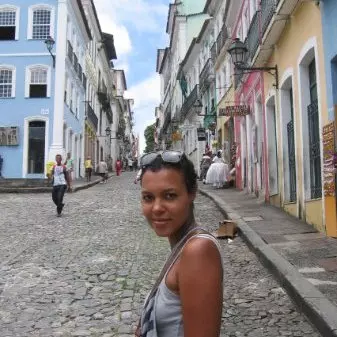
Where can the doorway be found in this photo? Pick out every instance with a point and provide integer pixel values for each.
(36, 147)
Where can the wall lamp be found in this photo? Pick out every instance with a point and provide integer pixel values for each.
(198, 107)
(50, 45)
(108, 134)
(238, 52)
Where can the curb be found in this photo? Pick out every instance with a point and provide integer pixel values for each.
(320, 312)
(47, 189)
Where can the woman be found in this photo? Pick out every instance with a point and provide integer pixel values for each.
(118, 167)
(88, 168)
(218, 171)
(187, 298)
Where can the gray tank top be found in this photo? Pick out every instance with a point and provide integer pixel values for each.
(167, 308)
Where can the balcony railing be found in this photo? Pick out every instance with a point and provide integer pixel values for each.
(207, 75)
(70, 51)
(79, 71)
(92, 116)
(189, 102)
(221, 39)
(268, 8)
(214, 52)
(75, 63)
(84, 81)
(167, 118)
(315, 151)
(253, 39)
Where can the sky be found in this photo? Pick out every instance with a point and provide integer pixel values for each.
(139, 29)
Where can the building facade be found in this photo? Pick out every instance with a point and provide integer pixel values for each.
(50, 98)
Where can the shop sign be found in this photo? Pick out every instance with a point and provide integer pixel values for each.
(9, 136)
(201, 132)
(234, 111)
(329, 168)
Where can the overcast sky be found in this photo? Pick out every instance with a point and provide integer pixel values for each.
(139, 28)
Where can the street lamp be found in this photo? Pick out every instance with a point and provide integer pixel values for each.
(108, 134)
(198, 107)
(50, 45)
(238, 51)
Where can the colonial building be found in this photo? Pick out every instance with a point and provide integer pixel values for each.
(329, 12)
(56, 77)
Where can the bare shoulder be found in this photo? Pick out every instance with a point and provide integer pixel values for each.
(200, 249)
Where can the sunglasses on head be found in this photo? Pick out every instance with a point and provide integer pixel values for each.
(169, 157)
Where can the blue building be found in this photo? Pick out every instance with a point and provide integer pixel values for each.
(329, 14)
(42, 92)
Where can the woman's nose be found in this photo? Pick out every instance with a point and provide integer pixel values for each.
(157, 206)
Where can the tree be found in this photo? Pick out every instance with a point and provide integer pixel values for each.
(149, 138)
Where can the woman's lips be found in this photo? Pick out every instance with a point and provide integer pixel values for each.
(160, 222)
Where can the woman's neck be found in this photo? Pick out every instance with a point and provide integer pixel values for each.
(182, 231)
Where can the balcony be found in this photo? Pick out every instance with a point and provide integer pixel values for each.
(79, 72)
(206, 76)
(75, 63)
(70, 51)
(189, 102)
(221, 39)
(253, 36)
(92, 116)
(167, 118)
(214, 52)
(84, 81)
(268, 9)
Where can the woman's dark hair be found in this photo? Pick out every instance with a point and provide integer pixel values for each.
(219, 154)
(185, 166)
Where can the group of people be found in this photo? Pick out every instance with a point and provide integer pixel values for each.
(214, 170)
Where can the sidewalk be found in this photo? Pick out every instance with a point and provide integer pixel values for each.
(303, 260)
(77, 185)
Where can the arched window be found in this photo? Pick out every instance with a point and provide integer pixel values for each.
(40, 22)
(37, 81)
(7, 81)
(9, 22)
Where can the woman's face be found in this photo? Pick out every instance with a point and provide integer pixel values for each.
(165, 201)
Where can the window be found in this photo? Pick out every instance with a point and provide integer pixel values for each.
(9, 17)
(7, 81)
(37, 81)
(40, 22)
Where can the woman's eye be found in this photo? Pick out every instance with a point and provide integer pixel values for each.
(147, 198)
(170, 196)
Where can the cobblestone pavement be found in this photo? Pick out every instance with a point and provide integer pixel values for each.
(87, 273)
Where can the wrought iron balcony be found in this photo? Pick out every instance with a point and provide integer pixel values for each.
(221, 39)
(268, 9)
(253, 38)
(75, 63)
(315, 151)
(214, 52)
(79, 72)
(70, 51)
(189, 102)
(84, 81)
(167, 118)
(92, 116)
(207, 75)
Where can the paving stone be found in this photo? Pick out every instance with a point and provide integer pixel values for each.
(88, 272)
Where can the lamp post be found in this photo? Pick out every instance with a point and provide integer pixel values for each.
(108, 134)
(238, 52)
(50, 45)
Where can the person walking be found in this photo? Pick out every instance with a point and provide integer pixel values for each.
(69, 163)
(60, 182)
(187, 297)
(130, 164)
(102, 171)
(118, 167)
(88, 168)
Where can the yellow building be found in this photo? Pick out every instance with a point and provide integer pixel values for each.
(296, 111)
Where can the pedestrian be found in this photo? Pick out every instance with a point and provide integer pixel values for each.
(186, 300)
(217, 174)
(102, 170)
(69, 163)
(206, 162)
(88, 168)
(118, 167)
(60, 182)
(130, 164)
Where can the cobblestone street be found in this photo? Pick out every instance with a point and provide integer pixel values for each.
(87, 273)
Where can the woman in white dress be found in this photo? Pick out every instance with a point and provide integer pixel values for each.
(218, 172)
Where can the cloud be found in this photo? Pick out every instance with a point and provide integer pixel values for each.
(144, 16)
(147, 96)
